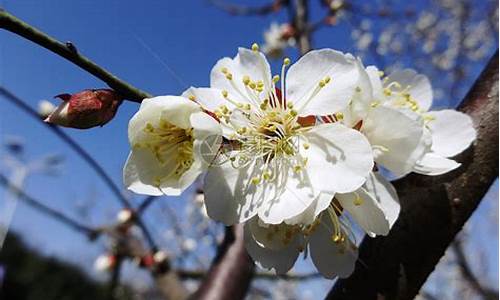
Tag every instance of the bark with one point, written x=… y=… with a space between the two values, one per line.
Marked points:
x=433 y=209
x=231 y=271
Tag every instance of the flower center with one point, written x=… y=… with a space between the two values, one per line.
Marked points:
x=167 y=141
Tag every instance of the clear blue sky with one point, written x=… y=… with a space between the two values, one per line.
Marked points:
x=189 y=36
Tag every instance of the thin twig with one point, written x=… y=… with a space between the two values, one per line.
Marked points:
x=69 y=52
x=200 y=274
x=114 y=281
x=243 y=10
x=37 y=204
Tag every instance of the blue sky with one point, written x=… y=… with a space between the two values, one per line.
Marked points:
x=128 y=38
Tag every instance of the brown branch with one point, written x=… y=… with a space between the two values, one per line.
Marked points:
x=469 y=276
x=243 y=10
x=433 y=209
x=200 y=274
x=231 y=271
x=69 y=52
x=301 y=22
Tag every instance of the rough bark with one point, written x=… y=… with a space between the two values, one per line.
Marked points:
x=231 y=271
x=434 y=209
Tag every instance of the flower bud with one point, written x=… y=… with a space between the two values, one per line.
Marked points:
x=45 y=108
x=105 y=262
x=86 y=109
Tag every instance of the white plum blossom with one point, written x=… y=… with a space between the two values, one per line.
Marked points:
x=280 y=161
x=325 y=229
x=277 y=38
x=167 y=135
x=104 y=262
x=448 y=132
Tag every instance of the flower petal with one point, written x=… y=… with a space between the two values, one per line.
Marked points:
x=281 y=261
x=339 y=158
x=304 y=76
x=140 y=179
x=309 y=215
x=209 y=98
x=385 y=194
x=376 y=82
x=396 y=138
x=432 y=164
x=452 y=132
x=420 y=88
x=246 y=63
x=330 y=258
x=366 y=211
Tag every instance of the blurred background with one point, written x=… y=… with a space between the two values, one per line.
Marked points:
x=164 y=47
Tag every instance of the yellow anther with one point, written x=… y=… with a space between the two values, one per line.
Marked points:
x=286 y=61
x=387 y=92
x=297 y=168
x=339 y=116
x=304 y=161
x=191 y=97
x=429 y=118
x=246 y=80
x=247 y=106
x=229 y=76
x=289 y=105
x=276 y=78
x=149 y=127
x=263 y=106
x=260 y=83
x=224 y=70
x=358 y=200
x=272 y=128
x=224 y=93
x=293 y=113
x=336 y=238
x=266 y=175
x=255 y=47
x=255 y=180
x=306 y=146
x=327 y=79
x=259 y=89
x=380 y=73
x=224 y=109
x=252 y=85
x=242 y=130
x=358 y=89
x=374 y=104
x=322 y=83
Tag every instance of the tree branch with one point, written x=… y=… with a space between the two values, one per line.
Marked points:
x=201 y=274
x=21 y=195
x=69 y=52
x=301 y=22
x=243 y=10
x=433 y=209
x=231 y=271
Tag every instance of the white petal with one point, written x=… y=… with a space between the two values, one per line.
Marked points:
x=246 y=63
x=396 y=138
x=330 y=258
x=376 y=82
x=281 y=261
x=209 y=98
x=385 y=194
x=288 y=196
x=137 y=180
x=304 y=76
x=359 y=106
x=339 y=158
x=368 y=214
x=204 y=126
x=176 y=187
x=452 y=132
x=420 y=87
x=223 y=188
x=432 y=164
x=309 y=215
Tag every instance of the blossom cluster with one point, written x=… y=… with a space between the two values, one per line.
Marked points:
x=301 y=157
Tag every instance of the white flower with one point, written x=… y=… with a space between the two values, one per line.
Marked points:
x=277 y=38
x=449 y=132
x=280 y=162
x=168 y=136
x=397 y=137
x=104 y=262
x=330 y=238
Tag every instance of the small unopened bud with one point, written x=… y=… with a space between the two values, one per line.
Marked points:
x=86 y=109
x=160 y=256
x=124 y=216
x=105 y=262
x=45 y=108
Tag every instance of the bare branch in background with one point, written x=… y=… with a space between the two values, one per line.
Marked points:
x=243 y=10
x=433 y=209
x=69 y=52
x=301 y=22
x=200 y=274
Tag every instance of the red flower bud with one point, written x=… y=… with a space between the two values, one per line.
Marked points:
x=86 y=109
